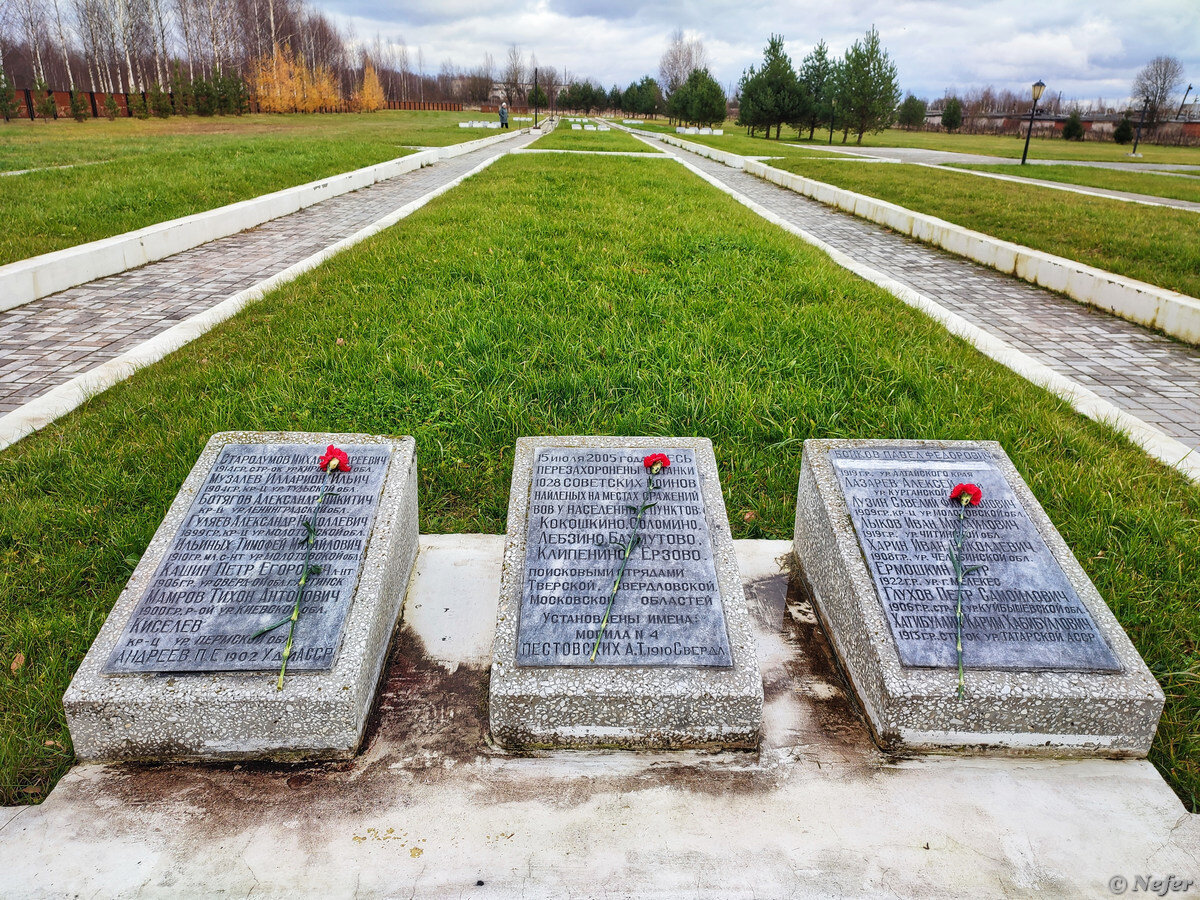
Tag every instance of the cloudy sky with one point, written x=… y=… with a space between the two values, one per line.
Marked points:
x=1083 y=48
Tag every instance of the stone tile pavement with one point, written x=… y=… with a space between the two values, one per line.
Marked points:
x=46 y=343
x=1153 y=377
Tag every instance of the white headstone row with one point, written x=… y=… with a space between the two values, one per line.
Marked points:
x=477 y=124
x=693 y=130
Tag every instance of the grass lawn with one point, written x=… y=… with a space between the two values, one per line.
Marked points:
x=1112 y=179
x=142 y=172
x=1153 y=244
x=586 y=297
x=984 y=144
x=565 y=138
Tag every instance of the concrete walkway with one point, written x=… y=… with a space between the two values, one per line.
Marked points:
x=1152 y=377
x=430 y=808
x=948 y=157
x=937 y=159
x=46 y=343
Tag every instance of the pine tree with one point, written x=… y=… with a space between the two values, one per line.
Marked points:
x=952 y=114
x=1123 y=133
x=8 y=98
x=869 y=91
x=1073 y=127
x=816 y=80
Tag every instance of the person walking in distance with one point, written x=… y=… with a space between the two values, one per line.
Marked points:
x=503 y=115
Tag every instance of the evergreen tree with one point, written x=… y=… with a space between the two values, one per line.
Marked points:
x=1123 y=133
x=952 y=114
x=160 y=101
x=44 y=105
x=698 y=100
x=816 y=81
x=1073 y=127
x=751 y=102
x=912 y=112
x=80 y=109
x=8 y=98
x=538 y=98
x=780 y=91
x=869 y=91
x=614 y=98
x=112 y=108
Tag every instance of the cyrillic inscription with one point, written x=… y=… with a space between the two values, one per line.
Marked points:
x=233 y=565
x=582 y=509
x=1020 y=611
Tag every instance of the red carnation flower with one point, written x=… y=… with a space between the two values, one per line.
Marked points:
x=334 y=459
x=656 y=462
x=967 y=494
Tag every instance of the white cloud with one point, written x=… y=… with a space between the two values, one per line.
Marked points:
x=1083 y=48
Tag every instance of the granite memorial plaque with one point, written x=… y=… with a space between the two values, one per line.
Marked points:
x=1048 y=670
x=667 y=610
x=1020 y=611
x=676 y=666
x=233 y=566
x=176 y=673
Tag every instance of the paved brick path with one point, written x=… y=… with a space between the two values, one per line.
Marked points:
x=48 y=342
x=1144 y=373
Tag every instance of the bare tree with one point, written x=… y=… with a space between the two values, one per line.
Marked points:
x=682 y=56
x=1157 y=84
x=513 y=76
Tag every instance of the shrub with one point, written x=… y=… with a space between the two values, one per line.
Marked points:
x=80 y=109
x=45 y=105
x=952 y=114
x=160 y=101
x=1073 y=127
x=8 y=98
x=137 y=106
x=1123 y=133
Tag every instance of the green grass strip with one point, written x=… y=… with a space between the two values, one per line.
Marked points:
x=586 y=296
x=565 y=138
x=156 y=171
x=1110 y=179
x=1157 y=245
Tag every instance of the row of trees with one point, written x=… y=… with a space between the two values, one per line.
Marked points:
x=857 y=93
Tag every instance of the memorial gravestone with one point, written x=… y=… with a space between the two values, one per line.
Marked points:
x=188 y=664
x=1045 y=667
x=622 y=619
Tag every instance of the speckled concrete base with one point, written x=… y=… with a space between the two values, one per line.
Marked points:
x=242 y=716
x=1048 y=713
x=634 y=706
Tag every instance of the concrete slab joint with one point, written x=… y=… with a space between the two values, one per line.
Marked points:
x=241 y=715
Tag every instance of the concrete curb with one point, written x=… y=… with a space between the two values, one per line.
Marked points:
x=30 y=279
x=1154 y=442
x=57 y=402
x=1171 y=312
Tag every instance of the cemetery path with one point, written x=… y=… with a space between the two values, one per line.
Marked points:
x=938 y=159
x=1146 y=374
x=48 y=342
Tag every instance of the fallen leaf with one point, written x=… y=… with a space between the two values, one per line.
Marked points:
x=18 y=661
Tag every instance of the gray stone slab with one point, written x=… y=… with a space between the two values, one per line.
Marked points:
x=1054 y=706
x=583 y=514
x=1020 y=610
x=321 y=711
x=637 y=705
x=233 y=564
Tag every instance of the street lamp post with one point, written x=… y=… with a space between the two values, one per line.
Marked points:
x=1038 y=87
x=1183 y=102
x=1142 y=118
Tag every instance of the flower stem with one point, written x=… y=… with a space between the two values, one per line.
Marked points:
x=624 y=562
x=959 y=573
x=310 y=527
